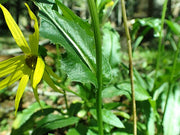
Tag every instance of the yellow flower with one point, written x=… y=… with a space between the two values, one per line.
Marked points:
x=109 y=4
x=30 y=65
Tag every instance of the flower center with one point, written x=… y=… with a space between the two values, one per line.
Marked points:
x=31 y=61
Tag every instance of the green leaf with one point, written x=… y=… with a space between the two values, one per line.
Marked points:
x=42 y=51
x=74 y=108
x=26 y=120
x=175 y=27
x=77 y=70
x=73 y=131
x=172 y=114
x=67 y=13
x=82 y=128
x=26 y=114
x=124 y=88
x=111 y=45
x=120 y=133
x=112 y=105
x=139 y=80
x=159 y=91
x=140 y=93
x=74 y=39
x=90 y=132
x=123 y=114
x=52 y=121
x=151 y=123
x=78 y=42
x=108 y=117
x=153 y=23
x=113 y=91
x=177 y=72
x=108 y=128
x=140 y=37
x=84 y=90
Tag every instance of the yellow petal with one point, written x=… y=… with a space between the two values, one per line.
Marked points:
x=48 y=80
x=38 y=73
x=11 y=79
x=49 y=70
x=15 y=30
x=34 y=38
x=35 y=92
x=20 y=91
x=14 y=60
x=109 y=4
x=11 y=68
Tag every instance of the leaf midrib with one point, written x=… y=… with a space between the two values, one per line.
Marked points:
x=83 y=56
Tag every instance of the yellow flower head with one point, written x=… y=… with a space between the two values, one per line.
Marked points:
x=109 y=4
x=28 y=66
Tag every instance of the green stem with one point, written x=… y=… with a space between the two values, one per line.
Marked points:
x=98 y=45
x=160 y=48
x=60 y=74
x=130 y=67
x=68 y=90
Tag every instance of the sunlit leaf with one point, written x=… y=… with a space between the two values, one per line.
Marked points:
x=77 y=41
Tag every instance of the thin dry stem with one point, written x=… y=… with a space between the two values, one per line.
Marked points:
x=130 y=66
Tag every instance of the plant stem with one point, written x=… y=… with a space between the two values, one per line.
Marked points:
x=160 y=49
x=98 y=45
x=60 y=74
x=68 y=90
x=130 y=67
